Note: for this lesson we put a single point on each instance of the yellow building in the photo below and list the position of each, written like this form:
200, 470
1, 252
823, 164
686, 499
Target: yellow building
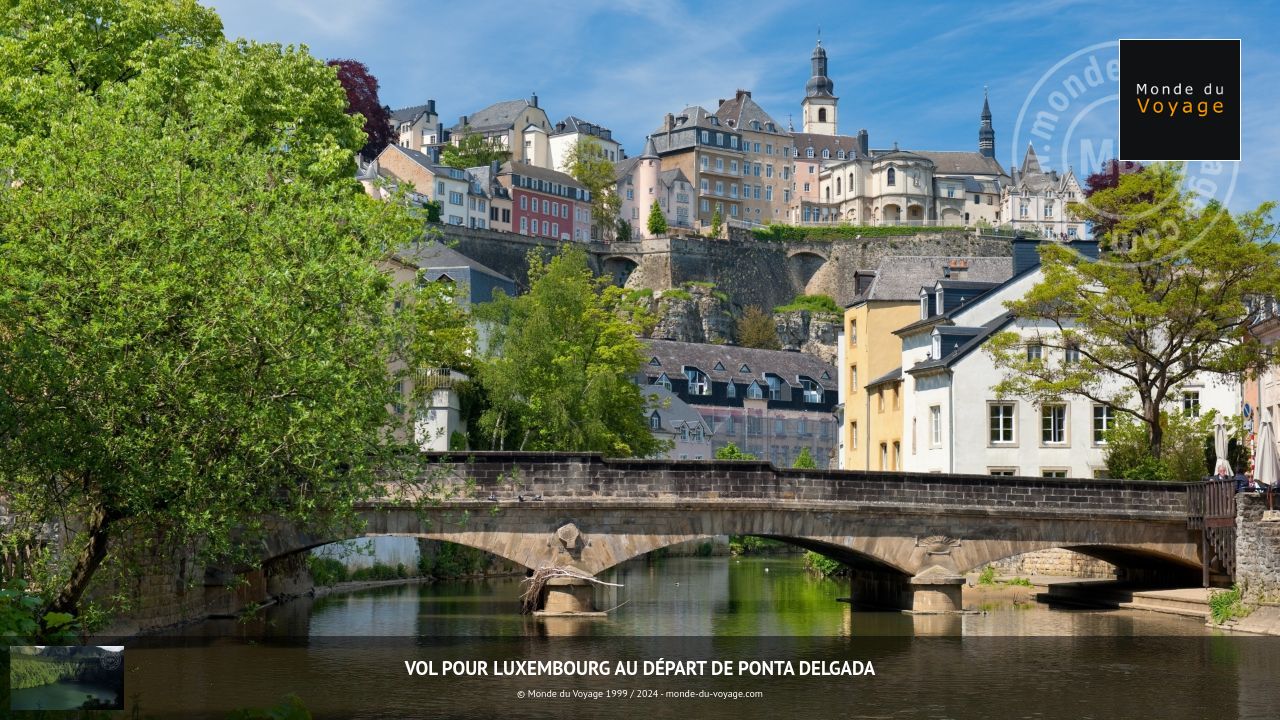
871, 374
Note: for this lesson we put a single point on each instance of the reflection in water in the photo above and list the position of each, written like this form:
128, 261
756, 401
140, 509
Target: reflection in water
1005, 661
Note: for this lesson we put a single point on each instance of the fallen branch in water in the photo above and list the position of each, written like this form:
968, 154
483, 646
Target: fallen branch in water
538, 580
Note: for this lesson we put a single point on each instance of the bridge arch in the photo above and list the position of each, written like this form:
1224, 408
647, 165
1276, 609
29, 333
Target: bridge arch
618, 268
802, 265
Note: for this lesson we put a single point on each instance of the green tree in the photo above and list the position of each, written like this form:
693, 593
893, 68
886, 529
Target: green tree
657, 221
756, 329
623, 233
716, 223
1166, 303
586, 162
472, 150
805, 460
193, 332
1182, 458
731, 452
563, 358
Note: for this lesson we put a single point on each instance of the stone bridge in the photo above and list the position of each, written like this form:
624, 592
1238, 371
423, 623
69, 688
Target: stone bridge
909, 537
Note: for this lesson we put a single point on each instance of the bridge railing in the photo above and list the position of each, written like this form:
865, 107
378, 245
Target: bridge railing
1211, 509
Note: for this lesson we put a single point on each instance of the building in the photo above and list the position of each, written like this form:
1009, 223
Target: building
518, 126
546, 203
767, 150
460, 199
769, 403
570, 130
675, 421
641, 181
436, 262
486, 177
1262, 389
418, 128
819, 106
811, 152
708, 153
1036, 200
954, 422
871, 368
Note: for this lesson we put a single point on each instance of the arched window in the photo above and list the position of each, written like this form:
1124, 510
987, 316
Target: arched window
698, 382
850, 182
837, 186
822, 114
812, 390
893, 177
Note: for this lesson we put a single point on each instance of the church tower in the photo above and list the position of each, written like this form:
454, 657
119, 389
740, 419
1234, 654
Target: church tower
819, 105
986, 133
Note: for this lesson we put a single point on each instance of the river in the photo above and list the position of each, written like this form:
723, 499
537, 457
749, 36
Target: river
347, 655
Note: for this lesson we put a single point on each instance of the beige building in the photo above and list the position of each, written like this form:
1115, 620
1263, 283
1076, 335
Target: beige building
709, 153
767, 151
519, 126
418, 127
641, 181
1036, 200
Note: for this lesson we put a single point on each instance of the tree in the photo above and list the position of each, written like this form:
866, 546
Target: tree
716, 223
193, 332
559, 376
731, 452
757, 330
473, 150
1108, 177
657, 221
623, 233
362, 98
805, 460
1166, 302
586, 162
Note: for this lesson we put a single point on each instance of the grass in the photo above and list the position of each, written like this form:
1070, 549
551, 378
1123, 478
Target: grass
987, 576
1227, 605
812, 303
677, 294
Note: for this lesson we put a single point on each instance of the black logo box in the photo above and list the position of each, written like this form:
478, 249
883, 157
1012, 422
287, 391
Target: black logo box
1180, 66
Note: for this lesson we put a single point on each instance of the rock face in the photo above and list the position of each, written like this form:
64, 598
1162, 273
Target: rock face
695, 313
809, 332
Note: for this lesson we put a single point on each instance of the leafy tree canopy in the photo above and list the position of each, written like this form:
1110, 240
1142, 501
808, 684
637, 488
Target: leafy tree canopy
362, 98
756, 329
586, 162
473, 150
731, 452
657, 220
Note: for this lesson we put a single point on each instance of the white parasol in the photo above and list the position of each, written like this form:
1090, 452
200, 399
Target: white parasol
1266, 467
1220, 463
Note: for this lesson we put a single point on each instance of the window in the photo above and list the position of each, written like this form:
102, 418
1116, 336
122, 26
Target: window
754, 391
897, 455
524, 225
733, 166
706, 136
892, 177
884, 456
655, 422
1053, 424
1104, 418
730, 390
809, 153
1001, 423
775, 386
663, 381
720, 164
1053, 473
698, 383
546, 207
951, 191
1072, 353
706, 163
822, 114
935, 426
733, 211
1191, 403
1034, 351
779, 428
706, 206
1048, 208
806, 187
826, 154
853, 434
546, 227
1002, 471
440, 187
812, 390
719, 187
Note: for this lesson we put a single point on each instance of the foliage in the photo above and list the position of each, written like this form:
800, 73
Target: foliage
586, 161
1167, 303
362, 98
756, 329
472, 149
805, 460
290, 708
657, 220
622, 231
716, 223
987, 576
194, 330
442, 333
1109, 177
752, 545
829, 233
562, 358
812, 303
1019, 581
378, 572
433, 210
452, 561
326, 571
1182, 460
677, 294
823, 565
1227, 605
731, 452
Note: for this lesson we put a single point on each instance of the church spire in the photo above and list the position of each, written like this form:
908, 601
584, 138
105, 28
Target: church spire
986, 133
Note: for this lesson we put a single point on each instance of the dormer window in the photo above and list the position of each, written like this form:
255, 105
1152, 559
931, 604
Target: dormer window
754, 391
655, 421
937, 300
812, 390
826, 154
937, 346
924, 305
663, 380
698, 382
808, 153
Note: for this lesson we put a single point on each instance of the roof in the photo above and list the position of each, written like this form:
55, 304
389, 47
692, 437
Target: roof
694, 115
901, 277
573, 124
411, 113
533, 171
421, 159
498, 116
1031, 177
833, 143
673, 356
673, 413
978, 334
948, 162
670, 177
624, 167
437, 255
948, 284
743, 113
892, 375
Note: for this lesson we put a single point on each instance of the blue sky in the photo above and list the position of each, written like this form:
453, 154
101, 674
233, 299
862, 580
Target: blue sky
911, 73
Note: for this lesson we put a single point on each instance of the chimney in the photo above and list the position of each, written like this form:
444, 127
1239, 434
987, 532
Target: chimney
533, 99
671, 121
957, 269
1026, 253
1087, 248
742, 92
462, 121
864, 142
431, 107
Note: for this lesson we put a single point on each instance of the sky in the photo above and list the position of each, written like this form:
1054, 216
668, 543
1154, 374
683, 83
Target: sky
910, 73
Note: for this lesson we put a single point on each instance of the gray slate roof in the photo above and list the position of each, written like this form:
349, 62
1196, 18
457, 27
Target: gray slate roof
894, 374
672, 411
948, 162
673, 356
741, 111
573, 124
498, 116
436, 255
901, 277
978, 335
541, 173
408, 114
832, 143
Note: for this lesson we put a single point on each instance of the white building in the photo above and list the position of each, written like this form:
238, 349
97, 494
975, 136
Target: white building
953, 421
640, 181
1036, 200
570, 130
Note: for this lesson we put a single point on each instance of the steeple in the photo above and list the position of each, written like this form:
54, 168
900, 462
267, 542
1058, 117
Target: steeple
819, 85
986, 133
819, 104
649, 150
